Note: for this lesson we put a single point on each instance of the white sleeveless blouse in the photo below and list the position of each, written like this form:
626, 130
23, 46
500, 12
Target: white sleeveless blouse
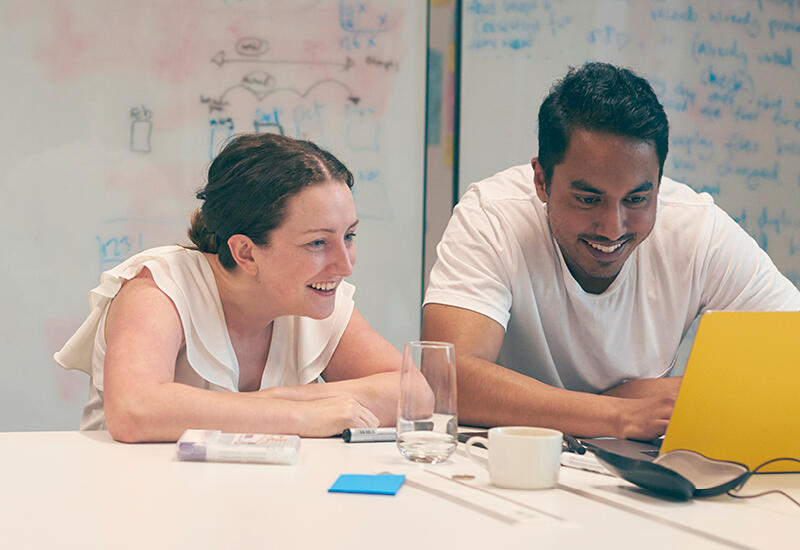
299, 351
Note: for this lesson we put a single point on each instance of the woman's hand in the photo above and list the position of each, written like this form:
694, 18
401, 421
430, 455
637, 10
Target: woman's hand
332, 415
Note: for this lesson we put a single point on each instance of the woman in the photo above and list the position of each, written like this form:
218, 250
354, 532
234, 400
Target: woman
231, 333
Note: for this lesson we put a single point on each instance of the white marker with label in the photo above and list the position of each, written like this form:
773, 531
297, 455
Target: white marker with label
366, 435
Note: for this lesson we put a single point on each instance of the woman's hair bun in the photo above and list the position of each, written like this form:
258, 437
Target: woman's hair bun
199, 234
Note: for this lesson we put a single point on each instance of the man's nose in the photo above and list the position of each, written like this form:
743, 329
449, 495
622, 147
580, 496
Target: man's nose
611, 222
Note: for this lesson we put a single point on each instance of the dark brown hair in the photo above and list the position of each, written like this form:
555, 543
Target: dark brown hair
249, 185
604, 98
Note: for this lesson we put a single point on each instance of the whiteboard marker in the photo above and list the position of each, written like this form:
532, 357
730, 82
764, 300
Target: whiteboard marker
364, 435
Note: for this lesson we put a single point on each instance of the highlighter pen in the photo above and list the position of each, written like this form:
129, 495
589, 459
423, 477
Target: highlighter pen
364, 435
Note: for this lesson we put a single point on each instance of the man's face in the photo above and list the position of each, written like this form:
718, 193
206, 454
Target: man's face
601, 203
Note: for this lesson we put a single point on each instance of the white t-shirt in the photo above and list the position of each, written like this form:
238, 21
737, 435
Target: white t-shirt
299, 351
498, 258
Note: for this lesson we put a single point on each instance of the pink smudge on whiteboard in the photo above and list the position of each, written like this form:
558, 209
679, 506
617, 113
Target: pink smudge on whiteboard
374, 74
71, 385
57, 331
12, 15
185, 35
237, 28
177, 112
64, 49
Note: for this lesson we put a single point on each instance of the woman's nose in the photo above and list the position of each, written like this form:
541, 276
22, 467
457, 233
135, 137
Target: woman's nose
343, 260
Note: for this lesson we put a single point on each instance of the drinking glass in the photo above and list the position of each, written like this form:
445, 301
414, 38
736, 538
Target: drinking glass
427, 420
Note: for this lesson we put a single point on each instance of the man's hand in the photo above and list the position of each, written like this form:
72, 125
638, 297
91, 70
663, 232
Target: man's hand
646, 406
643, 418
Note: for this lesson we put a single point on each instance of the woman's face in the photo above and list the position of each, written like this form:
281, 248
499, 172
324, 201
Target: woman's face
310, 253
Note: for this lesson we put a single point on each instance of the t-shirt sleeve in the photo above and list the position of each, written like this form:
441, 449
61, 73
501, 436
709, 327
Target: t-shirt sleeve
741, 276
470, 271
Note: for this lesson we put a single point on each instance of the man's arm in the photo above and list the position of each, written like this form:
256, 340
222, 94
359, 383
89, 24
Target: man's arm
491, 395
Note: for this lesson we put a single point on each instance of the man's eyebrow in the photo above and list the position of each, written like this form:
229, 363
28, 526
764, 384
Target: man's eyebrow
580, 185
646, 186
329, 230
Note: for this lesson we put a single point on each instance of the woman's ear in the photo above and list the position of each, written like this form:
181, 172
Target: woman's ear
243, 253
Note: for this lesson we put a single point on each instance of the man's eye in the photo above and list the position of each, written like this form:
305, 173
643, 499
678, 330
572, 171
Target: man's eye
637, 199
587, 200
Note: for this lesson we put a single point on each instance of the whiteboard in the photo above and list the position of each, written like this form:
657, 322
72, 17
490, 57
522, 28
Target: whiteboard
727, 72
112, 112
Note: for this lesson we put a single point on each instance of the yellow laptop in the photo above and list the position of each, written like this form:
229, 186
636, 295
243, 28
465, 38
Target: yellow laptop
740, 395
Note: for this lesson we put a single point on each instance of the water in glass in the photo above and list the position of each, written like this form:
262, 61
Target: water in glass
427, 423
419, 441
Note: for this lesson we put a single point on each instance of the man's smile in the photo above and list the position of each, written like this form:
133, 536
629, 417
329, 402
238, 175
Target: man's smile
604, 250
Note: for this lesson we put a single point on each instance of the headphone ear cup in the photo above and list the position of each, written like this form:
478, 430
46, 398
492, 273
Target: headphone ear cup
646, 474
710, 477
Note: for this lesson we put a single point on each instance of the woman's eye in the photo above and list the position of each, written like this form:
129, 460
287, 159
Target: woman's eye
350, 236
316, 244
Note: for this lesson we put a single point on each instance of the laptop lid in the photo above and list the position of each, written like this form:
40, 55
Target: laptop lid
740, 395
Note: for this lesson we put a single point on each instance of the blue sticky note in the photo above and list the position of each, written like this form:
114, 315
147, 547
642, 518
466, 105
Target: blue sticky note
379, 484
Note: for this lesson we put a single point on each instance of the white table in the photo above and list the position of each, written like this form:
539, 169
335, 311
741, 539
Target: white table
83, 490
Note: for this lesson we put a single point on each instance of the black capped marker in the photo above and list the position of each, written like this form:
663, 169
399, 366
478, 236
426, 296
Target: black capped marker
573, 445
366, 435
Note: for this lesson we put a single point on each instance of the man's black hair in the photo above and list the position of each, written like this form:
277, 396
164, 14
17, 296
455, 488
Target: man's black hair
600, 97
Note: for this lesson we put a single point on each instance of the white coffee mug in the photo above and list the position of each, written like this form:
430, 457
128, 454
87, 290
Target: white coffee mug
520, 457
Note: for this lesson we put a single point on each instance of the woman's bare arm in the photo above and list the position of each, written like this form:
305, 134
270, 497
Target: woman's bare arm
142, 403
364, 366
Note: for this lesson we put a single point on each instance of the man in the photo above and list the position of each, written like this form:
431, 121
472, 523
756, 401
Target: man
567, 285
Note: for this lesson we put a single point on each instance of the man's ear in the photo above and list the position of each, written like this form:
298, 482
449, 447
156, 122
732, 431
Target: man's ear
243, 253
539, 180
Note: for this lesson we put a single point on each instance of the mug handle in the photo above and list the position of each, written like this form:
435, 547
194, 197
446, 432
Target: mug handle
479, 460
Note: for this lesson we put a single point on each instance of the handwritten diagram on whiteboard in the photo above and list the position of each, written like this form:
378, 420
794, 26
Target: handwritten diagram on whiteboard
114, 110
